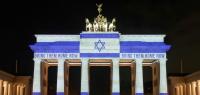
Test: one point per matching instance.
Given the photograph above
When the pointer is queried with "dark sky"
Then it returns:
(179, 20)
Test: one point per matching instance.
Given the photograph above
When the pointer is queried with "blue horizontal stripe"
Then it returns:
(56, 47)
(113, 35)
(102, 55)
(60, 93)
(115, 93)
(36, 93)
(139, 93)
(144, 49)
(84, 93)
(163, 93)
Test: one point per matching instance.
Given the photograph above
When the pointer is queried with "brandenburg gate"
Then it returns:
(100, 44)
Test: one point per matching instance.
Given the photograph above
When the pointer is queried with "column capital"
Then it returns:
(138, 60)
(5, 82)
(61, 60)
(162, 61)
(37, 60)
(85, 60)
(188, 83)
(194, 83)
(198, 82)
(114, 60)
(184, 84)
(9, 83)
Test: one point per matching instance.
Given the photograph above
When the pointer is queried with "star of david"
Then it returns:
(99, 45)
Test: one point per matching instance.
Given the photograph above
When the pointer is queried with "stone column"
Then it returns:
(84, 77)
(163, 77)
(139, 89)
(181, 89)
(14, 89)
(60, 77)
(5, 85)
(17, 91)
(189, 89)
(132, 78)
(9, 89)
(115, 77)
(36, 77)
(155, 78)
(1, 86)
(177, 90)
(44, 77)
(173, 91)
(194, 88)
(66, 75)
(198, 87)
(25, 90)
(21, 89)
(184, 89)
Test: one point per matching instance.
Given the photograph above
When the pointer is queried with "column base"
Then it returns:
(139, 93)
(116, 93)
(60, 93)
(84, 93)
(36, 93)
(163, 93)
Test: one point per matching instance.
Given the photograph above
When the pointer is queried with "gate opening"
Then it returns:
(52, 80)
(100, 80)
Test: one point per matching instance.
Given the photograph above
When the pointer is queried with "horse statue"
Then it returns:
(95, 26)
(112, 26)
(105, 25)
(88, 25)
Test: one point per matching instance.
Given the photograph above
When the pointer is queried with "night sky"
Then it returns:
(178, 19)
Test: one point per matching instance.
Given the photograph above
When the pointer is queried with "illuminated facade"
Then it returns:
(100, 42)
(185, 85)
(14, 85)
